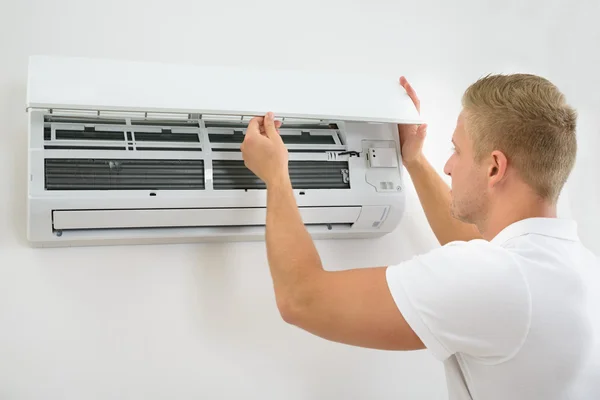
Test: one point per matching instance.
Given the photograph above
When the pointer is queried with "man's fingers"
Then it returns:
(254, 125)
(411, 93)
(269, 123)
(264, 126)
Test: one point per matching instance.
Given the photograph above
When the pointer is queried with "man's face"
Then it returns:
(469, 183)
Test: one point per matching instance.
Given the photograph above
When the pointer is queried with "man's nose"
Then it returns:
(447, 168)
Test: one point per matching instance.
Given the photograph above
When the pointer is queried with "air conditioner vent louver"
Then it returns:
(236, 137)
(166, 136)
(233, 174)
(212, 123)
(303, 138)
(88, 134)
(123, 174)
(307, 138)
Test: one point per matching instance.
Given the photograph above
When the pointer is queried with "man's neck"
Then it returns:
(510, 211)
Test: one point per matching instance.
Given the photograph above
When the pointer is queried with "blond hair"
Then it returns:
(527, 118)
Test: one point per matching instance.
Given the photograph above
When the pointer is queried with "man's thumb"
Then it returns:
(269, 124)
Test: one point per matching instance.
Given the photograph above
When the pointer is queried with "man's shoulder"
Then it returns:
(459, 291)
(475, 258)
(475, 250)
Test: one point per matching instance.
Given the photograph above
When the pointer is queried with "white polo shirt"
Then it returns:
(515, 318)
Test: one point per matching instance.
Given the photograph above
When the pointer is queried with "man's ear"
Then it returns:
(497, 167)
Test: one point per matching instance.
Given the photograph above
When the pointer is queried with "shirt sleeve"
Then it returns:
(467, 297)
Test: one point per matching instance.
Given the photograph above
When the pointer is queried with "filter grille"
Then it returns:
(83, 170)
(124, 174)
(233, 174)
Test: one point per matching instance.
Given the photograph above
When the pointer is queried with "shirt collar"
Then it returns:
(559, 228)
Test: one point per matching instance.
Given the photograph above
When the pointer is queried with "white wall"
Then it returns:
(200, 321)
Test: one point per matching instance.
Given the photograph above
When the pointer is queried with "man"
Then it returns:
(507, 302)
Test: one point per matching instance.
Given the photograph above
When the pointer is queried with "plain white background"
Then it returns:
(200, 321)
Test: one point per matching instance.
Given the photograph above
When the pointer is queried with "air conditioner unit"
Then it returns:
(127, 152)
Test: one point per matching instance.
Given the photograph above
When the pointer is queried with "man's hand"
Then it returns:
(411, 136)
(263, 150)
(433, 192)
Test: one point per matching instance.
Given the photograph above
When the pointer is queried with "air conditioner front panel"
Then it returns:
(162, 218)
(85, 84)
(142, 153)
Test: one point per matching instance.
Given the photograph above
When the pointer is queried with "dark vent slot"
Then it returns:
(289, 150)
(340, 225)
(236, 137)
(244, 125)
(47, 133)
(167, 136)
(59, 147)
(304, 138)
(126, 174)
(307, 138)
(235, 150)
(88, 134)
(233, 174)
(226, 124)
(308, 126)
(167, 148)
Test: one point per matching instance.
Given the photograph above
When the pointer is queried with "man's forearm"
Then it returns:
(434, 195)
(293, 259)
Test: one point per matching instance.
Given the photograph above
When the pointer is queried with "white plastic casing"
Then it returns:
(361, 113)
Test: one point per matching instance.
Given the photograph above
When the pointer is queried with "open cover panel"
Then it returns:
(100, 84)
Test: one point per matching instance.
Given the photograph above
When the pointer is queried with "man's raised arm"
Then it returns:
(433, 192)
